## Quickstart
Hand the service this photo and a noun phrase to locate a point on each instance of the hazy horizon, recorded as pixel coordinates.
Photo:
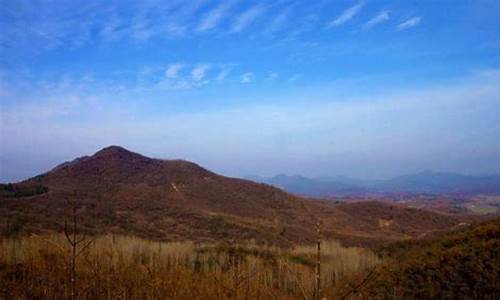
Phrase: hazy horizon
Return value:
(364, 89)
(262, 175)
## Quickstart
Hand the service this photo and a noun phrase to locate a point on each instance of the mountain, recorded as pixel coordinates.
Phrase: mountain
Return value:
(304, 186)
(438, 182)
(424, 182)
(116, 190)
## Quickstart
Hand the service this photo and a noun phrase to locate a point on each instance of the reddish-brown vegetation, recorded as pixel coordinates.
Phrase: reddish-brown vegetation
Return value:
(464, 264)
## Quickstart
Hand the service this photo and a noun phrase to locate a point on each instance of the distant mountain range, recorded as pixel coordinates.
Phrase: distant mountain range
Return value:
(423, 182)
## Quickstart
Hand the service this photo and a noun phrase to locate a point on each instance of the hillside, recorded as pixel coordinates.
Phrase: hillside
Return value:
(464, 264)
(119, 191)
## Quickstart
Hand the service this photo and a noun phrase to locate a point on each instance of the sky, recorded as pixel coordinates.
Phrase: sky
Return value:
(366, 89)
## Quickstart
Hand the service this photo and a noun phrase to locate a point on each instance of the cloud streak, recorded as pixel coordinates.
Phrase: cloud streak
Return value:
(173, 78)
(199, 72)
(223, 74)
(173, 70)
(247, 77)
(346, 15)
(412, 22)
(273, 76)
(212, 18)
(44, 26)
(379, 18)
(246, 18)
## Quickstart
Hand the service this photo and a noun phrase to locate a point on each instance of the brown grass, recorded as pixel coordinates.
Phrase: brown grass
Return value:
(129, 267)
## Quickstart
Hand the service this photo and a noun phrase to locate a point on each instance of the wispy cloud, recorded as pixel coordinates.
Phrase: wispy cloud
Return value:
(247, 77)
(172, 70)
(173, 84)
(212, 18)
(176, 30)
(44, 26)
(412, 22)
(173, 79)
(273, 76)
(199, 72)
(346, 15)
(379, 18)
(243, 20)
(223, 74)
(32, 28)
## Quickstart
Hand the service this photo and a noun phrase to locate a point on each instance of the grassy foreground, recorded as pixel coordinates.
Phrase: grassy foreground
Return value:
(462, 264)
(122, 267)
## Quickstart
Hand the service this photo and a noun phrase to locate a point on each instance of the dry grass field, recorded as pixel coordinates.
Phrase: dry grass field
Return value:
(124, 267)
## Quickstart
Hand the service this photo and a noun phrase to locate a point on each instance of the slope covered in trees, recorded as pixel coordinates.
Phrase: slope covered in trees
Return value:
(463, 264)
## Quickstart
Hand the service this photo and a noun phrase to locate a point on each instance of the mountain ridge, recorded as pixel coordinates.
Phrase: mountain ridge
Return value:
(421, 182)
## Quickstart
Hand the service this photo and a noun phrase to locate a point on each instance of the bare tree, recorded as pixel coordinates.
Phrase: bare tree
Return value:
(317, 286)
(318, 261)
(78, 244)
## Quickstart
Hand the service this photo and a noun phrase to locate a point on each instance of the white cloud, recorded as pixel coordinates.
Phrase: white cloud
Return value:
(199, 72)
(173, 80)
(174, 84)
(346, 15)
(180, 76)
(412, 22)
(223, 74)
(172, 70)
(175, 30)
(273, 75)
(247, 77)
(246, 18)
(379, 18)
(212, 18)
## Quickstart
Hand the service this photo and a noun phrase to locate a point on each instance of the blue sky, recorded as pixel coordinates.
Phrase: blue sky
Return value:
(369, 89)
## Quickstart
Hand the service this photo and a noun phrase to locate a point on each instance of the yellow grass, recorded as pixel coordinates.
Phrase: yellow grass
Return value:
(123, 267)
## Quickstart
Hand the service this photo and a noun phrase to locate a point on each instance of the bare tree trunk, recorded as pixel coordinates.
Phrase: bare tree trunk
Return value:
(72, 241)
(76, 245)
(318, 262)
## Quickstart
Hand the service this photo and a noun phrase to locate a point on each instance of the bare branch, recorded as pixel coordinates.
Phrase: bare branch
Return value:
(82, 249)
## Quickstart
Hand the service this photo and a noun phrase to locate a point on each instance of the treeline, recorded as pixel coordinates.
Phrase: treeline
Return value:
(18, 190)
(464, 264)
